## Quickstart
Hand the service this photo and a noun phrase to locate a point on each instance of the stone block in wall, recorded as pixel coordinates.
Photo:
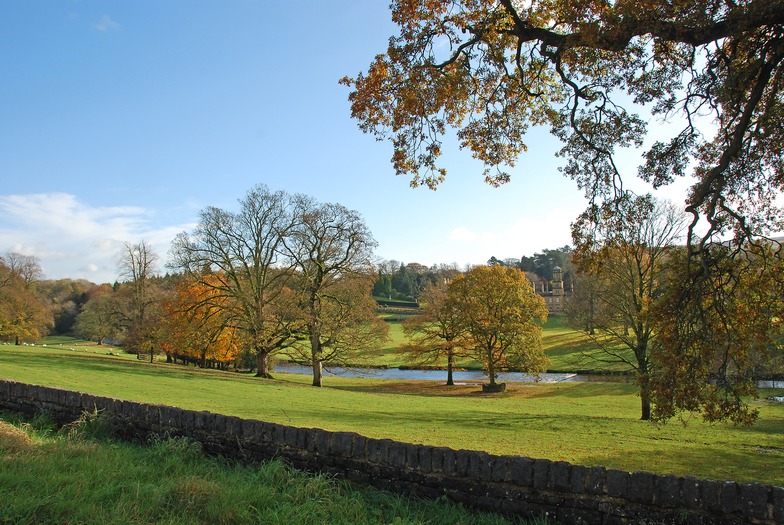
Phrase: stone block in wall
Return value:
(252, 430)
(383, 451)
(290, 437)
(412, 457)
(319, 441)
(204, 420)
(188, 420)
(234, 426)
(499, 471)
(424, 458)
(577, 479)
(72, 399)
(448, 461)
(171, 418)
(560, 476)
(667, 491)
(691, 496)
(541, 473)
(359, 447)
(521, 471)
(729, 497)
(340, 444)
(462, 461)
(753, 501)
(373, 450)
(396, 454)
(640, 487)
(219, 424)
(303, 438)
(777, 500)
(485, 466)
(617, 482)
(710, 494)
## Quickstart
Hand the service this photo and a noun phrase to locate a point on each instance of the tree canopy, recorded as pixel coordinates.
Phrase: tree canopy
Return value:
(592, 71)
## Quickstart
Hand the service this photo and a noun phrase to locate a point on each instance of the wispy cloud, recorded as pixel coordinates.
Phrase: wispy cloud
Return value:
(73, 239)
(106, 24)
(524, 236)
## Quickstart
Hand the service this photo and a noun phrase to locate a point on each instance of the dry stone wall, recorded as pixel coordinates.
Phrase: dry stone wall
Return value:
(512, 485)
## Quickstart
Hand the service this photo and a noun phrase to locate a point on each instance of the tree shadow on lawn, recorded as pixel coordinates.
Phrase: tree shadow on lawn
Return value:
(742, 463)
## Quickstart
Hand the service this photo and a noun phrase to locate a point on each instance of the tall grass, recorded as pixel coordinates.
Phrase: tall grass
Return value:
(71, 477)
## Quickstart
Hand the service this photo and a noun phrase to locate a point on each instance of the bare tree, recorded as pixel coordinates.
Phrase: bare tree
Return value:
(328, 245)
(137, 266)
(236, 257)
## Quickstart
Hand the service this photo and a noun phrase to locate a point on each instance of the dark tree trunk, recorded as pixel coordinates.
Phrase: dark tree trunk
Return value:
(646, 407)
(262, 363)
(449, 365)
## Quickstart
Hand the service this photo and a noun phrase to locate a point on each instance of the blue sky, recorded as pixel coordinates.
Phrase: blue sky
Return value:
(119, 121)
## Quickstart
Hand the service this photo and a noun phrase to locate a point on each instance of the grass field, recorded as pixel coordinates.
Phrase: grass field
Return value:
(568, 350)
(584, 423)
(75, 476)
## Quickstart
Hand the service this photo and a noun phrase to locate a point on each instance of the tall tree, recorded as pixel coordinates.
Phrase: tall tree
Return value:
(99, 318)
(503, 317)
(137, 264)
(623, 260)
(237, 257)
(24, 314)
(328, 245)
(716, 328)
(437, 332)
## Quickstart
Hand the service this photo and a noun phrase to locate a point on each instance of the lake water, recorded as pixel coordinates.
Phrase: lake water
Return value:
(439, 375)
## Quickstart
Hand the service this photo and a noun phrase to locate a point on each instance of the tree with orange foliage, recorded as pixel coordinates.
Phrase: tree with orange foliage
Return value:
(197, 328)
(503, 319)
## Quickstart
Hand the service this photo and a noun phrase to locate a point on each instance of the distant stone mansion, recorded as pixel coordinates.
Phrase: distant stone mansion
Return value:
(553, 292)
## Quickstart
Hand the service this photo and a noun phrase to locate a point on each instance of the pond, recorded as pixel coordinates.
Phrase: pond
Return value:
(472, 376)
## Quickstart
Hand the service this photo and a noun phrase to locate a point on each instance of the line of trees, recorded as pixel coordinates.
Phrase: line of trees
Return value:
(289, 275)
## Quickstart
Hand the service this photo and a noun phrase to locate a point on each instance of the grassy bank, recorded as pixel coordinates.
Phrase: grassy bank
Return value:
(71, 477)
(584, 423)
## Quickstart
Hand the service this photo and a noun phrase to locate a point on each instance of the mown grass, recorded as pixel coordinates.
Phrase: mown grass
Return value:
(584, 423)
(568, 349)
(71, 477)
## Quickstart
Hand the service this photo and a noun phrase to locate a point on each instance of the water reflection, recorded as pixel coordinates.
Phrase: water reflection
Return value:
(440, 375)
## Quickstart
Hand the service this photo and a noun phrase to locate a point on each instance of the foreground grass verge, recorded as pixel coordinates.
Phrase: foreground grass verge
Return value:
(583, 423)
(69, 477)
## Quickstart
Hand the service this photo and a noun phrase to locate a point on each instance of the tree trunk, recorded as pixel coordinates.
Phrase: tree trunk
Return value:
(262, 361)
(491, 367)
(317, 372)
(646, 407)
(315, 348)
(449, 364)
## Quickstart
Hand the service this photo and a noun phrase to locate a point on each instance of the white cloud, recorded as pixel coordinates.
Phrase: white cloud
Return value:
(523, 236)
(73, 239)
(106, 24)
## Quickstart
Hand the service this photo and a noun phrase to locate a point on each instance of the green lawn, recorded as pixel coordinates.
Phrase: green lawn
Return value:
(584, 423)
(568, 350)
